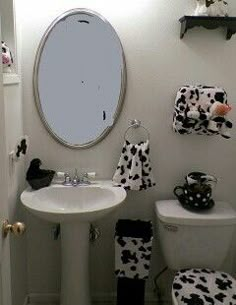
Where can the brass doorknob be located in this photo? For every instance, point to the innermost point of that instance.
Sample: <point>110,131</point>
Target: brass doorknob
<point>18,228</point>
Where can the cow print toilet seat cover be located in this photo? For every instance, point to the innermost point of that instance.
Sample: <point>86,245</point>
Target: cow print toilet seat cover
<point>204,287</point>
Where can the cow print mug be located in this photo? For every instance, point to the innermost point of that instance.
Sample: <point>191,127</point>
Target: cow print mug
<point>200,179</point>
<point>212,8</point>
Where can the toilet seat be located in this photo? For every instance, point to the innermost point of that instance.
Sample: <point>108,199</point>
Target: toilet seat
<point>203,287</point>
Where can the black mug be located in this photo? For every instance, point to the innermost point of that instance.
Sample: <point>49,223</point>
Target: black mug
<point>194,196</point>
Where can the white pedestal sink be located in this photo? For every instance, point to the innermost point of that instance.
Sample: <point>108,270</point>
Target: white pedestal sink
<point>74,208</point>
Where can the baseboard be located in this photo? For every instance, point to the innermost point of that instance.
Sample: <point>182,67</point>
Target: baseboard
<point>97,299</point>
<point>43,298</point>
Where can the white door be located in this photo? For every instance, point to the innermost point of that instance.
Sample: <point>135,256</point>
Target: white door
<point>5,270</point>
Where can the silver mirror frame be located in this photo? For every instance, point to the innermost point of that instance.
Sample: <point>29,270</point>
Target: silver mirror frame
<point>35,81</point>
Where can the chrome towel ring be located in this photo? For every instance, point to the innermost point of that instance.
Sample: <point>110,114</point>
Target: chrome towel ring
<point>136,124</point>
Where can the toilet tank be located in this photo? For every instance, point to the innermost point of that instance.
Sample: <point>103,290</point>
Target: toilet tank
<point>195,239</point>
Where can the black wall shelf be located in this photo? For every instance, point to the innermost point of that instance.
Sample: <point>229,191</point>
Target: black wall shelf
<point>189,22</point>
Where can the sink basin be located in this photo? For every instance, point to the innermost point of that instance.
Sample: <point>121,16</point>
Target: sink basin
<point>74,208</point>
<point>58,203</point>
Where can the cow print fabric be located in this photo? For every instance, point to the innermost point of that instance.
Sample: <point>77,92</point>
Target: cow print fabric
<point>132,257</point>
<point>194,113</point>
<point>134,170</point>
<point>204,287</point>
<point>133,246</point>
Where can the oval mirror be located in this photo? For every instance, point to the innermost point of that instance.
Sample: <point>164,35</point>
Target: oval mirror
<point>79,78</point>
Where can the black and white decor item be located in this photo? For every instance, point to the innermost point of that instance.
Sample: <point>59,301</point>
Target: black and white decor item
<point>216,8</point>
<point>133,247</point>
<point>20,150</point>
<point>7,58</point>
<point>134,170</point>
<point>204,286</point>
<point>202,110</point>
<point>210,14</point>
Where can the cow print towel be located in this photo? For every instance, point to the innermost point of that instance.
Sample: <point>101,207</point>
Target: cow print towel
<point>204,287</point>
<point>133,246</point>
<point>134,170</point>
<point>195,111</point>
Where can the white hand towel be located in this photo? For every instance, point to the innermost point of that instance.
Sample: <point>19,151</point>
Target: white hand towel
<point>134,170</point>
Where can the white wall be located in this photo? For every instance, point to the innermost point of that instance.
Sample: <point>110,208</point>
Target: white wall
<point>158,62</point>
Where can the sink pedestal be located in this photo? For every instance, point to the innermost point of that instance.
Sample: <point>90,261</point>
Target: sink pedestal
<point>75,264</point>
<point>74,208</point>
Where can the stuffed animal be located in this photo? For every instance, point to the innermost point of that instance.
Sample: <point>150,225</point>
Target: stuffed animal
<point>218,121</point>
<point>211,8</point>
<point>202,110</point>
<point>7,59</point>
<point>216,117</point>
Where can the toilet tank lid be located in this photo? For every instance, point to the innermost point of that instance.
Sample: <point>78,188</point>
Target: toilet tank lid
<point>171,211</point>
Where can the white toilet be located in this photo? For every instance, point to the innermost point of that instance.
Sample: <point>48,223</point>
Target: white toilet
<point>195,244</point>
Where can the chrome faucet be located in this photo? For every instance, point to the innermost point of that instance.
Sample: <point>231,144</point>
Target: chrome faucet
<point>75,180</point>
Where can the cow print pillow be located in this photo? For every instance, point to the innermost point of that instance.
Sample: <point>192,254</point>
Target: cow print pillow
<point>195,108</point>
<point>204,287</point>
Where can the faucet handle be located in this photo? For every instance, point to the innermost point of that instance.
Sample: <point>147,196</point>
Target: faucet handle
<point>84,179</point>
<point>67,180</point>
<point>84,175</point>
<point>66,175</point>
